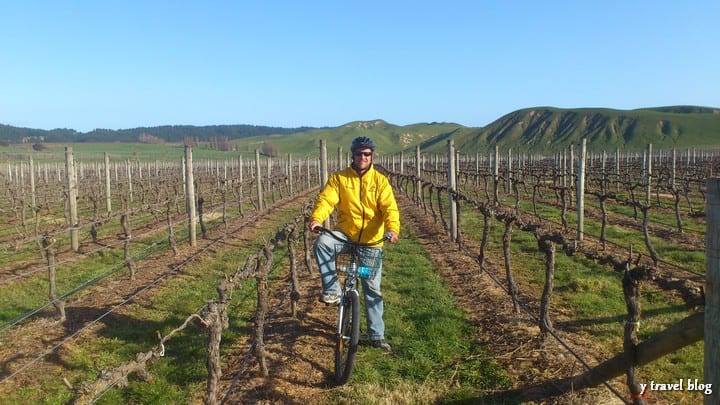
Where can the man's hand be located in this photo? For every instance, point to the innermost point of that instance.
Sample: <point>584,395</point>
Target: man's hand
<point>313,224</point>
<point>392,237</point>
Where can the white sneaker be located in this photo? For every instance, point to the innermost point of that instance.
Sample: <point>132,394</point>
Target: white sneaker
<point>331,299</point>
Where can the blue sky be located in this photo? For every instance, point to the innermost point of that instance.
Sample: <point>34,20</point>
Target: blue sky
<point>125,64</point>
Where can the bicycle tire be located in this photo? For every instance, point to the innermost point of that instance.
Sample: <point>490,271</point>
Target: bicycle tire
<point>346,342</point>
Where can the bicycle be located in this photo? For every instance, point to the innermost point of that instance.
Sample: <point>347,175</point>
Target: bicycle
<point>358,260</point>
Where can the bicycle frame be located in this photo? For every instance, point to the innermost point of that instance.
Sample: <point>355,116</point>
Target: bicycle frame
<point>348,321</point>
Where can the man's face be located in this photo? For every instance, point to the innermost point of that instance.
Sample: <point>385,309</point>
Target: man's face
<point>362,158</point>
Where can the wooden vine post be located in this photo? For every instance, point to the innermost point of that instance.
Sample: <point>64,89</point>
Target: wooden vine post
<point>307,172</point>
<point>477,170</point>
<point>128,173</point>
<point>509,182</point>
<point>190,195</point>
<point>72,198</point>
<point>108,191</point>
<point>418,183</point>
<point>452,188</point>
<point>240,186</point>
<point>258,182</point>
<point>571,166</point>
<point>340,158</point>
<point>617,169</point>
<point>496,174</point>
<point>712,292</point>
<point>648,174</point>
<point>33,197</point>
<point>289,173</point>
<point>324,171</point>
<point>581,190</point>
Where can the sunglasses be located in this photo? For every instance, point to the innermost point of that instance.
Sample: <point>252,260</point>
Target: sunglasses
<point>366,154</point>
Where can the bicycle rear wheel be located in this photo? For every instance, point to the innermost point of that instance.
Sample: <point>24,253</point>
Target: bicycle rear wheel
<point>346,342</point>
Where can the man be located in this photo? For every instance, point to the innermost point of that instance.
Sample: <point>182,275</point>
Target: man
<point>367,210</point>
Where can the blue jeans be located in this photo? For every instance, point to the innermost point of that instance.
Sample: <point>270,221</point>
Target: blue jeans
<point>324,248</point>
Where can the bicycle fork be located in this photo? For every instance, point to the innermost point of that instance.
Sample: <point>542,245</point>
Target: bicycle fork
<point>342,314</point>
<point>349,288</point>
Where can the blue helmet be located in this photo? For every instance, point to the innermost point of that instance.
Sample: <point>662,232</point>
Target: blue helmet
<point>362,142</point>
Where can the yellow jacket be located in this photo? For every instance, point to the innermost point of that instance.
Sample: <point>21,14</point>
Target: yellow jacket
<point>366,205</point>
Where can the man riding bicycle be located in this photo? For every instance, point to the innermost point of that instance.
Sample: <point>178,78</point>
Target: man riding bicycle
<point>367,210</point>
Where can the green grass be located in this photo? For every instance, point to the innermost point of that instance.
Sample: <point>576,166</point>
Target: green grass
<point>591,295</point>
<point>432,340</point>
<point>181,373</point>
<point>618,235</point>
<point>19,297</point>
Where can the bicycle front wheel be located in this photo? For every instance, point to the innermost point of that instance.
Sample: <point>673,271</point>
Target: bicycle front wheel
<point>346,342</point>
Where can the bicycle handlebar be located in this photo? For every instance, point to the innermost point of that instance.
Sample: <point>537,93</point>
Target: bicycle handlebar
<point>322,229</point>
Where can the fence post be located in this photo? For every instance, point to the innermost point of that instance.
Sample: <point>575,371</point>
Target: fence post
<point>108,191</point>
<point>324,172</point>
<point>452,186</point>
<point>673,180</point>
<point>581,190</point>
<point>258,177</point>
<point>128,172</point>
<point>648,174</point>
<point>190,194</point>
<point>33,198</point>
<point>289,173</point>
<point>72,197</point>
<point>340,158</point>
<point>509,172</point>
<point>617,169</point>
<point>418,183</point>
<point>496,174</point>
<point>323,163</point>
<point>477,169</point>
<point>712,292</point>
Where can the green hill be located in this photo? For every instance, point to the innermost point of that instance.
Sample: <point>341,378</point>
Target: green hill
<point>389,138</point>
<point>546,129</point>
<point>537,130</point>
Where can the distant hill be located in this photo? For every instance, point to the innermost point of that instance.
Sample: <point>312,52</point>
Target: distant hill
<point>389,138</point>
<point>538,129</point>
<point>545,128</point>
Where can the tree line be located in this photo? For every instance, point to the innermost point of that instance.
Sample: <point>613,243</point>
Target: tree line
<point>167,133</point>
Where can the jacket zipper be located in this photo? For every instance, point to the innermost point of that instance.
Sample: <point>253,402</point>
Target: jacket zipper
<point>362,226</point>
